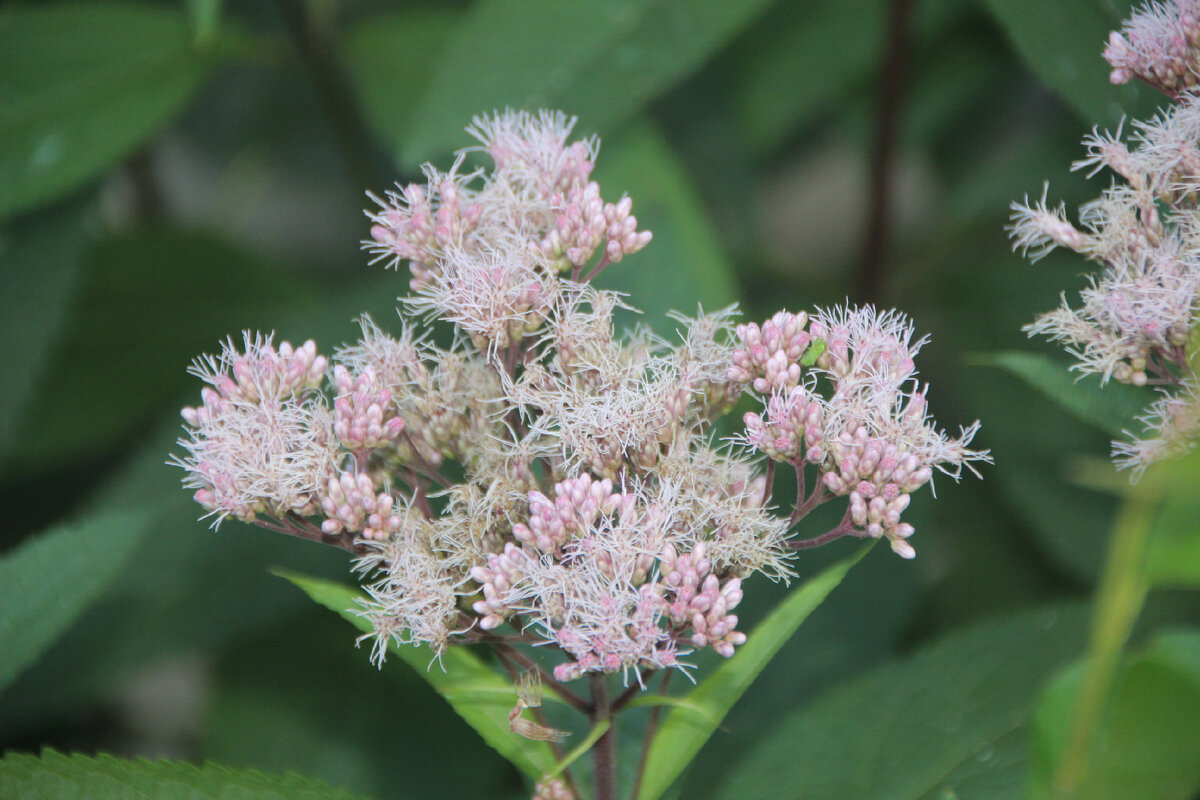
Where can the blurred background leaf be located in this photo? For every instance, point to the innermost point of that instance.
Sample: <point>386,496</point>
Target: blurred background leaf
<point>606,58</point>
<point>1111,407</point>
<point>85,83</point>
<point>39,270</point>
<point>48,581</point>
<point>1060,41</point>
<point>1149,745</point>
<point>945,722</point>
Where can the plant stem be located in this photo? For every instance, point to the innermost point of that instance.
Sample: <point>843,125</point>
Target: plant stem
<point>1121,594</point>
<point>604,752</point>
<point>819,495</point>
<point>770,482</point>
<point>843,528</point>
<point>507,651</point>
<point>604,262</point>
<point>311,29</point>
<point>892,76</point>
<point>303,529</point>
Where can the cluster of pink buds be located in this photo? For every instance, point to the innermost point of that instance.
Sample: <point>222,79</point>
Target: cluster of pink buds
<point>364,417</point>
<point>417,224</point>
<point>220,494</point>
<point>577,505</point>
<point>350,503</point>
<point>878,476</point>
<point>862,341</point>
<point>860,417</point>
<point>770,356</point>
<point>552,789</point>
<point>261,440</point>
<point>697,597</point>
<point>791,430</point>
<point>1159,44</point>
<point>262,371</point>
<point>613,632</point>
<point>585,222</point>
<point>503,571</point>
<point>621,233</point>
<point>578,229</point>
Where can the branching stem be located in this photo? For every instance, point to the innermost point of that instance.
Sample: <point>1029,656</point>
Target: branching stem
<point>843,528</point>
<point>295,525</point>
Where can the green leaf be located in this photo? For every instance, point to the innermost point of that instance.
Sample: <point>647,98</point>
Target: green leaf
<point>84,84</point>
<point>47,581</point>
<point>479,695</point>
<point>600,59</point>
<point>944,723</point>
<point>39,265</point>
<point>684,730</point>
<point>387,56</point>
<point>684,264</point>
<point>299,697</point>
<point>1173,552</point>
<point>1061,42</point>
<point>148,303</point>
<point>801,58</point>
<point>189,588</point>
<point>1149,744</point>
<point>815,52</point>
<point>25,777</point>
<point>1111,407</point>
<point>1169,487</point>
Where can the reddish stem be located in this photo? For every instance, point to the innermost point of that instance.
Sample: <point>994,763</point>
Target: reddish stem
<point>843,528</point>
<point>570,698</point>
<point>604,751</point>
<point>766,498</point>
<point>303,529</point>
<point>604,262</point>
<point>819,495</point>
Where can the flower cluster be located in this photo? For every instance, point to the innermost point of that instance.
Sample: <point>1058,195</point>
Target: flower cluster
<point>1159,44</point>
<point>263,441</point>
<point>841,393</point>
<point>1136,321</point>
<point>543,478</point>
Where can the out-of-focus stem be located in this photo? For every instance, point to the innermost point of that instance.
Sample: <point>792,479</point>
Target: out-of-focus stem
<point>1121,595</point>
<point>892,76</point>
<point>311,27</point>
<point>770,482</point>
